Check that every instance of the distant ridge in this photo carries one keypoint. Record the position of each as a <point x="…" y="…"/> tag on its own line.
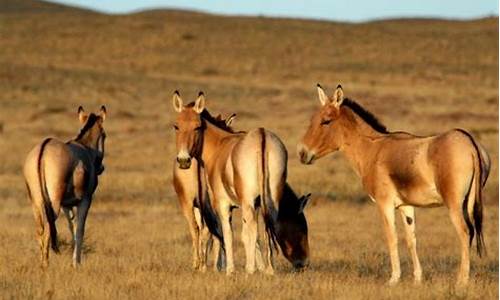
<point x="39" y="6"/>
<point x="33" y="6"/>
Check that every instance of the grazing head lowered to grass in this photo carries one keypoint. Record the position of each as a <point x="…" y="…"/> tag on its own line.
<point x="246" y="170"/>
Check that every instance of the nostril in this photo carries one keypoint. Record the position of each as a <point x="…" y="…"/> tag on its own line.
<point x="303" y="156"/>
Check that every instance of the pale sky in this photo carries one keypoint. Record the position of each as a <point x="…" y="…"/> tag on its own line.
<point x="352" y="10"/>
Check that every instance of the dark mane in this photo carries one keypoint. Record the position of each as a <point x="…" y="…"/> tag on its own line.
<point x="216" y="121"/>
<point x="367" y="116"/>
<point x="89" y="124"/>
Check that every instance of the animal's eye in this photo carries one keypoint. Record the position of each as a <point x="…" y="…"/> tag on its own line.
<point x="326" y="122"/>
<point x="176" y="127"/>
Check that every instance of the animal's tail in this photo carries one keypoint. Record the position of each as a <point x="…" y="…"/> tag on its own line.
<point x="476" y="208"/>
<point x="208" y="214"/>
<point x="265" y="199"/>
<point x="211" y="219"/>
<point x="48" y="211"/>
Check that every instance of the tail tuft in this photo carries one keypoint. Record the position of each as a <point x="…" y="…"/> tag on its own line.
<point x="54" y="242"/>
<point x="478" y="224"/>
<point x="477" y="210"/>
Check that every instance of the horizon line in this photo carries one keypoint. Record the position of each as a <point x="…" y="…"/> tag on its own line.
<point x="389" y="17"/>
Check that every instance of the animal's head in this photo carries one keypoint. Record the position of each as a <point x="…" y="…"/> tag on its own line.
<point x="189" y="128"/>
<point x="324" y="134"/>
<point x="292" y="228"/>
<point x="93" y="135"/>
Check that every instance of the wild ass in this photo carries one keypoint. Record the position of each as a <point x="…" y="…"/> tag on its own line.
<point x="402" y="171"/>
<point x="60" y="174"/>
<point x="246" y="170"/>
<point x="190" y="187"/>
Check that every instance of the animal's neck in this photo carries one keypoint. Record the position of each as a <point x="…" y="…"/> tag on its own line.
<point x="212" y="137"/>
<point x="359" y="140"/>
<point x="88" y="141"/>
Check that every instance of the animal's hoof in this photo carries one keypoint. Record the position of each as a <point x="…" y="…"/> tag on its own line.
<point x="269" y="271"/>
<point x="461" y="289"/>
<point x="393" y="281"/>
<point x="461" y="284"/>
<point x="76" y="264"/>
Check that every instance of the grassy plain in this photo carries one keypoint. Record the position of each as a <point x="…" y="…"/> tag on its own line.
<point x="422" y="76"/>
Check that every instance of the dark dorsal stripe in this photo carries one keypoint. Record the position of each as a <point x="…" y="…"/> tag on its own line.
<point x="217" y="122"/>
<point x="367" y="116"/>
<point x="92" y="119"/>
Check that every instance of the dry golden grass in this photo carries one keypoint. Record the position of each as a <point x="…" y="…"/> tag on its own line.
<point x="423" y="76"/>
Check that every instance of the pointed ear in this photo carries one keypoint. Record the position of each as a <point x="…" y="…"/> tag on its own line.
<point x="199" y="104"/>
<point x="338" y="96"/>
<point x="177" y="102"/>
<point x="323" y="98"/>
<point x="82" y="115"/>
<point x="303" y="202"/>
<point x="230" y="120"/>
<point x="102" y="112"/>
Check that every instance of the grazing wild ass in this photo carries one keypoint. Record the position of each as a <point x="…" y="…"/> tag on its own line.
<point x="190" y="187"/>
<point x="246" y="170"/>
<point x="402" y="171"/>
<point x="60" y="174"/>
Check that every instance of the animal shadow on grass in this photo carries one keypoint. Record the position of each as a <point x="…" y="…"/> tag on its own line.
<point x="447" y="266"/>
<point x="374" y="266"/>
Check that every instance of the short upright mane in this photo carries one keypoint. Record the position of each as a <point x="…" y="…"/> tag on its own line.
<point x="367" y="116"/>
<point x="89" y="124"/>
<point x="216" y="121"/>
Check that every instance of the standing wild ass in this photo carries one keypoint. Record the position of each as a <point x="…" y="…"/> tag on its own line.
<point x="190" y="186"/>
<point x="59" y="174"/>
<point x="400" y="171"/>
<point x="246" y="170"/>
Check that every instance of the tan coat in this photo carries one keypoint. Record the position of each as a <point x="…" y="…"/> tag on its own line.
<point x="246" y="170"/>
<point x="59" y="174"/>
<point x="400" y="171"/>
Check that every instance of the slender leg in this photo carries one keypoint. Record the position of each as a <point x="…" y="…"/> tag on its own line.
<point x="45" y="244"/>
<point x="270" y="256"/>
<point x="216" y="253"/>
<point x="221" y="257"/>
<point x="387" y="212"/>
<point x="258" y="257"/>
<point x="204" y="240"/>
<point x="82" y="212"/>
<point x="41" y="232"/>
<point x="208" y="247"/>
<point x="188" y="212"/>
<point x="249" y="236"/>
<point x="227" y="232"/>
<point x="70" y="216"/>
<point x="408" y="216"/>
<point x="259" y="261"/>
<point x="459" y="223"/>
